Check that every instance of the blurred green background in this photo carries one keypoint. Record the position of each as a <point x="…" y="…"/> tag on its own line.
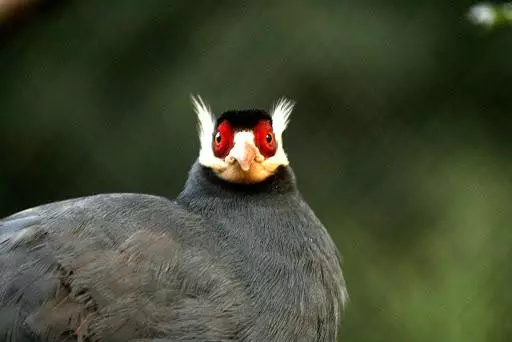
<point x="400" y="137"/>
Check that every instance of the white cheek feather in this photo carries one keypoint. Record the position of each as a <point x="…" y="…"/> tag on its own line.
<point x="206" y="120"/>
<point x="206" y="126"/>
<point x="281" y="116"/>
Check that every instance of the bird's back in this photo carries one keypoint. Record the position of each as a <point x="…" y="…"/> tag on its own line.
<point x="113" y="268"/>
<point x="120" y="267"/>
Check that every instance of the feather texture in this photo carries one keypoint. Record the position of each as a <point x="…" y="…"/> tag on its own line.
<point x="206" y="121"/>
<point x="281" y="116"/>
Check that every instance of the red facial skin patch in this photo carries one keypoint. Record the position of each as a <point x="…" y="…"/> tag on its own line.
<point x="223" y="140"/>
<point x="264" y="138"/>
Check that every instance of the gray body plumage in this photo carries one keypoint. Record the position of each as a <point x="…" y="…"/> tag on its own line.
<point x="221" y="263"/>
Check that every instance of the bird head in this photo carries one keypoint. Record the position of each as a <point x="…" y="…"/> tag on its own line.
<point x="243" y="146"/>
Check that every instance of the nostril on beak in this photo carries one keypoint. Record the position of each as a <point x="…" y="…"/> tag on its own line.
<point x="244" y="155"/>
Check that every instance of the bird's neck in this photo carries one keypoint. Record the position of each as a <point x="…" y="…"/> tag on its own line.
<point x="202" y="182"/>
<point x="277" y="251"/>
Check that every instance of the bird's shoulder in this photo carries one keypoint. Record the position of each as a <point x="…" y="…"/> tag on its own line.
<point x="98" y="205"/>
<point x="117" y="213"/>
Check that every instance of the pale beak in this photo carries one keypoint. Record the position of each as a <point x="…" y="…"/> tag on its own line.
<point x="244" y="151"/>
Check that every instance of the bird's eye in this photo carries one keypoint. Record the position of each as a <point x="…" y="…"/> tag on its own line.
<point x="269" y="138"/>
<point x="264" y="138"/>
<point x="223" y="140"/>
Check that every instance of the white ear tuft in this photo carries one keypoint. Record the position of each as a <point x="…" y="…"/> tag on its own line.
<point x="281" y="115"/>
<point x="206" y="121"/>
